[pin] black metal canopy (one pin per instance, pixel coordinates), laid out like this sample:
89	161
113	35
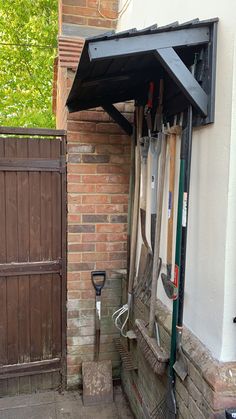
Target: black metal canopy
117	67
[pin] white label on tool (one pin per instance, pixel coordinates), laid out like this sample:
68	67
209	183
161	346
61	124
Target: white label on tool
153	182
98	307
169	204
184	214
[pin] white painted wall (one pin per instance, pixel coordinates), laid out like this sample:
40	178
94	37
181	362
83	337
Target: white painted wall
210	301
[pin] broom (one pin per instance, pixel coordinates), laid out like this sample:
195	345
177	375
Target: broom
156	356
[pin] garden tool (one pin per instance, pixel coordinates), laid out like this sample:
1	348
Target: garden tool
180	366
118	315
155	354
168	284
97	375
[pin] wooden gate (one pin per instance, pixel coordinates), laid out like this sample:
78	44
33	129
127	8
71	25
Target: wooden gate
32	259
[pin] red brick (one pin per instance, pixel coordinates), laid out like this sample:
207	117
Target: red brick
108	127
80	11
116	179
80	126
82	228
117	256
111	228
80	267
95	116
71	276
92	138
73	178
94	237
119	199
94	218
88	294
86	277
81	168
73	295
74	238
92	3
80	148
120	159
95	158
119	139
112	189
101	23
110	247
79	247
94	257
73	285
95	179
110	149
74	218
74	19
118	218
74	199
108	168
109	209
84	209
74	257
115	264
81	188
95	199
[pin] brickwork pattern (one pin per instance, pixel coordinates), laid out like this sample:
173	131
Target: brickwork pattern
89	13
98	154
209	388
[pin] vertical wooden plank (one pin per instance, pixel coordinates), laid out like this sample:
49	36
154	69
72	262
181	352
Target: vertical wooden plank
64	265
3	329
2	209
35	255
46	205
11	205
34	205
3	283
12	256
23	205
46	246
56	315
56	204
23	256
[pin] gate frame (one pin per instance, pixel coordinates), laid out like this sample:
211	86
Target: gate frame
17	131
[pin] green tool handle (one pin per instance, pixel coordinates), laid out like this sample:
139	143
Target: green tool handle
177	256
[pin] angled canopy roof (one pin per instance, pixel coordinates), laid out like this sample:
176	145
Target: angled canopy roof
117	67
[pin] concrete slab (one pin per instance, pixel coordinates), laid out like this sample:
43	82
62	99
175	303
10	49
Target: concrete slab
68	405
46	411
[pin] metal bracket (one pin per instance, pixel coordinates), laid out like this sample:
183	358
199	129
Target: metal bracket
118	118
178	71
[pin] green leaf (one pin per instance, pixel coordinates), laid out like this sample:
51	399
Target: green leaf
28	41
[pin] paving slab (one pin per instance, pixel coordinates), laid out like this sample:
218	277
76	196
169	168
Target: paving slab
67	405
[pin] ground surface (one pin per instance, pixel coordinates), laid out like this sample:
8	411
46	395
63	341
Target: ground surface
69	405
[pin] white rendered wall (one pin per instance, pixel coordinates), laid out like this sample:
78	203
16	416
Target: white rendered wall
210	298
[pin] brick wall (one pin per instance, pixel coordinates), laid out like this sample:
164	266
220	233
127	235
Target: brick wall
88	14
209	388
98	177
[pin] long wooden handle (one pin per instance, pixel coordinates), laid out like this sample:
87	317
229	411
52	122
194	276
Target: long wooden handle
135	215
172	153
160	190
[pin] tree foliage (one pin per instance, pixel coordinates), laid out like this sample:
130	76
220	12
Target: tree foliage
28	33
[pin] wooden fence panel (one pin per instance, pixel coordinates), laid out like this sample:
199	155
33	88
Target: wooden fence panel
32	260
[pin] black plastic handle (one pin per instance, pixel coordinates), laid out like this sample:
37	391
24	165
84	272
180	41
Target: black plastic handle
98	283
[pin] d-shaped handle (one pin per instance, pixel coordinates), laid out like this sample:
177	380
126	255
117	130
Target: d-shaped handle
98	279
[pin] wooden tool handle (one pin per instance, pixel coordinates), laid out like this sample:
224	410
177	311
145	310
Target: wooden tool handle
172	152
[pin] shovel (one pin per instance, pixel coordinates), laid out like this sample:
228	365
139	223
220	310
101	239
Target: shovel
97	375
